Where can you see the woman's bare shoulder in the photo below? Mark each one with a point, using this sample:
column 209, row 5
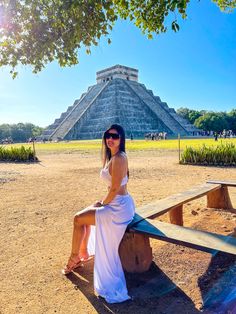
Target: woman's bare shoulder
column 120, row 158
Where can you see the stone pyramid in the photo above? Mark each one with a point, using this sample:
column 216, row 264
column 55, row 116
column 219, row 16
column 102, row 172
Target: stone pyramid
column 117, row 97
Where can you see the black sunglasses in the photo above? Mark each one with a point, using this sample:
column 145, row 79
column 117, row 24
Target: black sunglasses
column 114, row 136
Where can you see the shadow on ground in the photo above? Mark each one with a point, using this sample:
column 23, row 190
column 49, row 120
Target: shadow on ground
column 151, row 292
column 218, row 285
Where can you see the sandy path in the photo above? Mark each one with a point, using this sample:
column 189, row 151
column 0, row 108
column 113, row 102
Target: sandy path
column 37, row 206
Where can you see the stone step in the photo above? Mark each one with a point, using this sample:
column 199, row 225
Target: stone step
column 150, row 101
column 77, row 111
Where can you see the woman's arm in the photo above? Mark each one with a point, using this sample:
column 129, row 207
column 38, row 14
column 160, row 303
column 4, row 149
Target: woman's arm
column 119, row 169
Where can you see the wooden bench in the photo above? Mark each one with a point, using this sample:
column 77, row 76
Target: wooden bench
column 135, row 250
column 224, row 183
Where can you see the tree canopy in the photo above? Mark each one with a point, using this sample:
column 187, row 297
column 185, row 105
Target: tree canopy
column 210, row 120
column 19, row 132
column 36, row 32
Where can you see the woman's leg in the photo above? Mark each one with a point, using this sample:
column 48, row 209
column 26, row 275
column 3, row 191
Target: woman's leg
column 81, row 221
column 83, row 252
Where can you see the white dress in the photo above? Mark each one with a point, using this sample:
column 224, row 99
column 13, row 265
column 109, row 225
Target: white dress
column 111, row 222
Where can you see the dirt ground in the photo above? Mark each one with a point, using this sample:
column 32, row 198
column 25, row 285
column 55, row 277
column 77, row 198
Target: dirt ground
column 37, row 203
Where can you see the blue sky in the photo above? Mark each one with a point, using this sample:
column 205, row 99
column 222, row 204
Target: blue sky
column 194, row 68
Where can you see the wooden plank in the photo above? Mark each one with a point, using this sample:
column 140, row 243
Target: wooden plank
column 200, row 240
column 162, row 206
column 228, row 183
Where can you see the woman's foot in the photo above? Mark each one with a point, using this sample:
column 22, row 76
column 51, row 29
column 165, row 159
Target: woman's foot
column 72, row 264
column 84, row 256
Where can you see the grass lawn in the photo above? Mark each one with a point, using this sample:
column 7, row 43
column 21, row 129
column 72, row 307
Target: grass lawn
column 88, row 145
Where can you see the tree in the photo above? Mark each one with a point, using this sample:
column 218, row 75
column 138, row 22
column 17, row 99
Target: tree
column 5, row 131
column 183, row 112
column 231, row 118
column 193, row 115
column 189, row 114
column 35, row 32
column 19, row 132
column 36, row 131
column 212, row 121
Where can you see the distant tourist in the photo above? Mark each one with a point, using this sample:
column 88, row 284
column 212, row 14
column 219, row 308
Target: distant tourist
column 216, row 136
column 111, row 216
column 31, row 139
column 7, row 140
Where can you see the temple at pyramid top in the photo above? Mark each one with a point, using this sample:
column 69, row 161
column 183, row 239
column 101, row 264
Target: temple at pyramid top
column 117, row 71
column 117, row 97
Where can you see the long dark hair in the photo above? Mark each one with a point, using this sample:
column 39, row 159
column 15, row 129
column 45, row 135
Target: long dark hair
column 106, row 152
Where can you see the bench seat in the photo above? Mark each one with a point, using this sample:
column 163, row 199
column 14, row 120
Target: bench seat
column 162, row 206
column 196, row 239
column 227, row 183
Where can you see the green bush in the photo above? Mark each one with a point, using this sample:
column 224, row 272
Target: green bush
column 221, row 155
column 17, row 154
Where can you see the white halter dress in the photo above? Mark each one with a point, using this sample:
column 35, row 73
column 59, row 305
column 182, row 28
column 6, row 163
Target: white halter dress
column 111, row 222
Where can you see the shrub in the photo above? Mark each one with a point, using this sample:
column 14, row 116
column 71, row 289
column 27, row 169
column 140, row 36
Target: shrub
column 17, row 154
column 221, row 155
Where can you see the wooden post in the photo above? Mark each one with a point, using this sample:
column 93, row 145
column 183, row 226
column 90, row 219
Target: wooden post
column 135, row 252
column 34, row 153
column 179, row 145
column 176, row 215
column 219, row 198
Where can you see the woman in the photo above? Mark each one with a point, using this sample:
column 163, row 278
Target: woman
column 111, row 217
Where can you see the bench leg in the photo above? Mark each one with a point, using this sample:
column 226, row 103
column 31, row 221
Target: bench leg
column 135, row 253
column 219, row 199
column 176, row 215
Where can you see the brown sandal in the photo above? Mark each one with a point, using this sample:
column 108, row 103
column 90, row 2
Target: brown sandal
column 71, row 265
column 86, row 260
